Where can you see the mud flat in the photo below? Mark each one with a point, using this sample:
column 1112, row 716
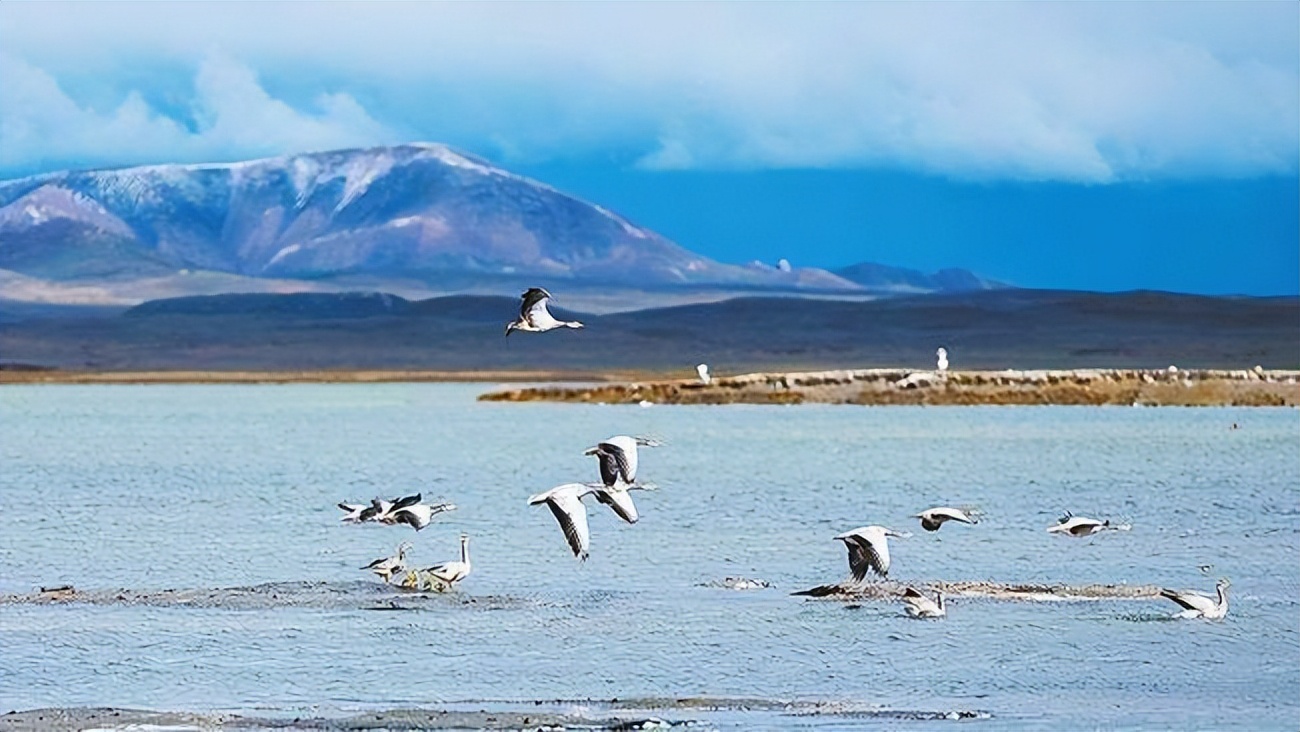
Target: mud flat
column 1255, row 387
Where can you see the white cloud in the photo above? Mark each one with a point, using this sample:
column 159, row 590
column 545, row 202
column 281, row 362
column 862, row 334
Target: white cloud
column 233, row 117
column 1066, row 91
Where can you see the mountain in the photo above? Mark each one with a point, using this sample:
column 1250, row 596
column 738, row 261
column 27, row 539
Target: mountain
column 421, row 213
column 1004, row 328
column 880, row 278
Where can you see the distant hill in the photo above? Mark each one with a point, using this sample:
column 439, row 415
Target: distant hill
column 419, row 212
column 1004, row 328
column 414, row 219
column 883, row 278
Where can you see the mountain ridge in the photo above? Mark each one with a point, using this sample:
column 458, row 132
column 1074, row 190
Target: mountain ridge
column 421, row 212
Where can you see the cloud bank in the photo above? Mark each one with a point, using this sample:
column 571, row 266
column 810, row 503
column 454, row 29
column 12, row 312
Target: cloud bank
column 1050, row 91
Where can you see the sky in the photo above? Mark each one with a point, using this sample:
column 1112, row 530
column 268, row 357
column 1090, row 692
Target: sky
column 1105, row 146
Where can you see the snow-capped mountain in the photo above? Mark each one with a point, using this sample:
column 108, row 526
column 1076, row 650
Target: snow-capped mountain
column 420, row 212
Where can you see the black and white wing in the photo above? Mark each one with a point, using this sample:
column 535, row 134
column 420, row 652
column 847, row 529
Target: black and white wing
column 624, row 451
column 534, row 305
column 572, row 515
column 858, row 561
column 609, row 470
column 1189, row 600
column 405, row 501
column 621, row 502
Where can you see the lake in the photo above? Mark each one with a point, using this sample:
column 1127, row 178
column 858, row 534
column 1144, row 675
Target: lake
column 206, row 487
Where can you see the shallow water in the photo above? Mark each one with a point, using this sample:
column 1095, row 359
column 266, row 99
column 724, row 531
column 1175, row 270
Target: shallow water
column 211, row 486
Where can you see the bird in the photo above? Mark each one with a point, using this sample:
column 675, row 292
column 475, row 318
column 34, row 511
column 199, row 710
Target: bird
column 378, row 509
column 1196, row 605
column 417, row 515
column 702, row 370
column 618, row 459
column 565, row 502
column 1078, row 526
column 941, row 357
column 449, row 573
column 920, row 606
column 933, row 518
column 352, row 512
column 388, row 566
column 534, row 317
column 868, row 550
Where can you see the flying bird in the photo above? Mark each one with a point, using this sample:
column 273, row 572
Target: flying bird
column 534, row 317
column 565, row 502
column 920, row 606
column 1196, row 605
column 352, row 512
column 933, row 518
column 1078, row 526
column 417, row 515
column 618, row 458
column 868, row 550
column 388, row 566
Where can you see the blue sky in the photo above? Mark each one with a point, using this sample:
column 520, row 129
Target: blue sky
column 1079, row 145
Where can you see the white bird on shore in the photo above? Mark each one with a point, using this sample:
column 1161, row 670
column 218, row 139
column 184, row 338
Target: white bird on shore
column 703, row 371
column 933, row 518
column 868, row 550
column 920, row 606
column 417, row 515
column 565, row 502
column 534, row 317
column 942, row 359
column 1078, row 526
column 388, row 566
column 1197, row 605
column 618, row 457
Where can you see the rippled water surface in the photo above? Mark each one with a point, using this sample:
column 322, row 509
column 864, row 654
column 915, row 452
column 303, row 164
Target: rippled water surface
column 208, row 486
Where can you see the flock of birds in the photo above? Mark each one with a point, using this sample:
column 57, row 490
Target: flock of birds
column 617, row 460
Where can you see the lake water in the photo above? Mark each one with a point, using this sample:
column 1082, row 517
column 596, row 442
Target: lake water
column 214, row 486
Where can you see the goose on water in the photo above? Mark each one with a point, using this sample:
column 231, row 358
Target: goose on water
column 1078, row 526
column 534, row 317
column 417, row 515
column 1196, row 605
column 919, row 606
column 388, row 566
column 868, row 550
column 449, row 573
column 933, row 518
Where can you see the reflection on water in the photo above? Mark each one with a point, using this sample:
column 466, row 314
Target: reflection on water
column 194, row 489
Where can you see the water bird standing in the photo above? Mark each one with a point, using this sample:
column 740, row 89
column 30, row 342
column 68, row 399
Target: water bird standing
column 386, row 567
column 868, row 550
column 449, row 573
column 920, row 606
column 1196, row 605
column 1078, row 526
column 534, row 317
column 933, row 518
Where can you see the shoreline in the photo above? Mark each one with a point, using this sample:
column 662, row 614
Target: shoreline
column 878, row 387
column 865, row 387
